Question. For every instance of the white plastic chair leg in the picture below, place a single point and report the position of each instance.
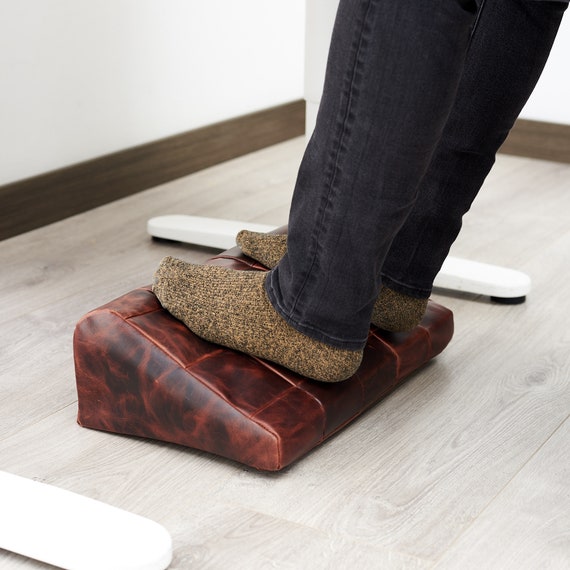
(501, 284)
(71, 531)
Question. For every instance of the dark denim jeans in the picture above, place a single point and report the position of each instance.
(418, 97)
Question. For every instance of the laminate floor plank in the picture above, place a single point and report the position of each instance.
(71, 254)
(419, 468)
(457, 432)
(465, 454)
(254, 540)
(528, 524)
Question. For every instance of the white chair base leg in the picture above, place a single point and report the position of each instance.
(501, 284)
(209, 232)
(74, 532)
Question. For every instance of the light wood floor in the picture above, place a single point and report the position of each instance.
(467, 466)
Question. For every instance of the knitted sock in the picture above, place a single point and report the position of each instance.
(397, 312)
(268, 249)
(393, 311)
(231, 308)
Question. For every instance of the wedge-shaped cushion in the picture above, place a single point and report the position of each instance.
(142, 372)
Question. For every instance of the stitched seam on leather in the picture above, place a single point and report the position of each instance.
(427, 332)
(248, 415)
(273, 401)
(143, 333)
(204, 357)
(156, 309)
(276, 400)
(205, 384)
(188, 367)
(393, 351)
(297, 387)
(269, 366)
(245, 262)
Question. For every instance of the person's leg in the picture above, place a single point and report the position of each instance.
(392, 76)
(393, 311)
(509, 49)
(510, 46)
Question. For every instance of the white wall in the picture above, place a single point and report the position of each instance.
(83, 78)
(550, 100)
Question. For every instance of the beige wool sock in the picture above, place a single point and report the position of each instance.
(268, 249)
(393, 311)
(231, 308)
(397, 312)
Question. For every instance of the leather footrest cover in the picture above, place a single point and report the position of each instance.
(141, 372)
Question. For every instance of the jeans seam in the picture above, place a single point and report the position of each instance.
(336, 153)
(476, 24)
(416, 292)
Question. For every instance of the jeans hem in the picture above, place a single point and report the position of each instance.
(313, 332)
(399, 287)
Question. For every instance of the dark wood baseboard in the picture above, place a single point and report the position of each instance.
(47, 198)
(535, 139)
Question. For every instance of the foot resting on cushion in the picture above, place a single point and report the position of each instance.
(268, 249)
(393, 311)
(231, 308)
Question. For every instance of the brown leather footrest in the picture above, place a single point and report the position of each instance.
(141, 372)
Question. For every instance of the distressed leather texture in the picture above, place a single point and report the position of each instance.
(142, 372)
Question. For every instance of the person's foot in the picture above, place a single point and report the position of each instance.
(393, 311)
(397, 312)
(268, 249)
(231, 308)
